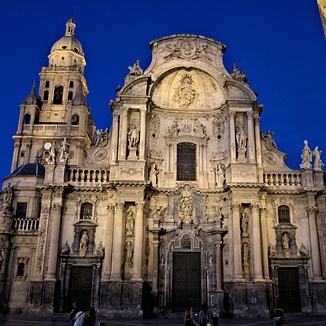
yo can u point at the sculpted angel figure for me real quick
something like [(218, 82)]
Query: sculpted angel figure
[(64, 150), (318, 162)]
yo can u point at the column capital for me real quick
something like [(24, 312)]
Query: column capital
[(140, 205)]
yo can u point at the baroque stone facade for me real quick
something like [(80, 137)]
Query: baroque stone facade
[(183, 200)]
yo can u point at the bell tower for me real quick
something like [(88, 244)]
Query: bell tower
[(59, 112)]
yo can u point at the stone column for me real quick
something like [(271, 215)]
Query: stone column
[(232, 137), (251, 138), (257, 139), (138, 248), (236, 243), (314, 246), (256, 241), (117, 243), (142, 134), (171, 157), (54, 244), (15, 157), (114, 140), (204, 149), (155, 263), (218, 266), (107, 264), (124, 128), (264, 243)]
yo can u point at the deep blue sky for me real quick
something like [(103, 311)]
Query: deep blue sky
[(279, 43)]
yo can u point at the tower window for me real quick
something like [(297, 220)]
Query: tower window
[(46, 95), (47, 84), (71, 84), (70, 96), (21, 209), (27, 119), (186, 162), (283, 214), (75, 120), (58, 92), (21, 269)]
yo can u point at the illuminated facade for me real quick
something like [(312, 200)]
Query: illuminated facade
[(183, 200)]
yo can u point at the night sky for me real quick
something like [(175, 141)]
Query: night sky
[(279, 43)]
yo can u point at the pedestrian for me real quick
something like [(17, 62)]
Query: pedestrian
[(93, 317), (73, 312), (80, 316), (204, 315), (189, 316), (5, 309), (278, 317), (215, 315)]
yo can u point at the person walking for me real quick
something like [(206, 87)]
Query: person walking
[(204, 315), (189, 316), (80, 316), (73, 313), (215, 315), (5, 309)]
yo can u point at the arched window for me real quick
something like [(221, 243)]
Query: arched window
[(70, 95), (186, 162), (46, 95), (58, 93), (86, 211), (21, 269), (71, 84), (27, 119), (75, 120), (283, 214), (47, 84)]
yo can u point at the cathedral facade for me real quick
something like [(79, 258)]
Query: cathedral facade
[(182, 200)]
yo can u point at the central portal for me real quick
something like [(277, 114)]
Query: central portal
[(186, 281)]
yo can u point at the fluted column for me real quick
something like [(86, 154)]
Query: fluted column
[(232, 138), (314, 246), (256, 240), (218, 266), (257, 139), (237, 242), (54, 245), (114, 140), (15, 157), (142, 134), (124, 128), (107, 264), (117, 243), (138, 248), (155, 263), (251, 138), (264, 243)]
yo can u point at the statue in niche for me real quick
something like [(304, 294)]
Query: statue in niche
[(241, 140), (269, 141), (220, 175), (153, 175), (318, 162), (130, 223), (64, 150), (306, 156), (102, 137), (100, 250), (285, 241), (7, 195), (244, 224), (133, 137), (66, 249), (83, 244), (129, 248), (162, 262), (246, 257), (186, 208)]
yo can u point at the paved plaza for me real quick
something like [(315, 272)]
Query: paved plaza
[(23, 320)]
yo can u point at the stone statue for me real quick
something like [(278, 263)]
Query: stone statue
[(130, 223), (102, 137), (100, 250), (129, 247), (83, 244), (285, 241), (244, 224), (133, 137), (270, 142), (318, 162), (153, 175), (306, 156), (241, 140), (64, 150), (51, 159), (66, 249), (220, 175), (7, 195)]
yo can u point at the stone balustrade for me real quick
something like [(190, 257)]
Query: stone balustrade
[(87, 176), (26, 224), (285, 179)]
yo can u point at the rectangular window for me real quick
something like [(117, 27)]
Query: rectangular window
[(21, 209)]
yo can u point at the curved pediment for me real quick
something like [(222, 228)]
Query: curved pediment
[(184, 89)]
